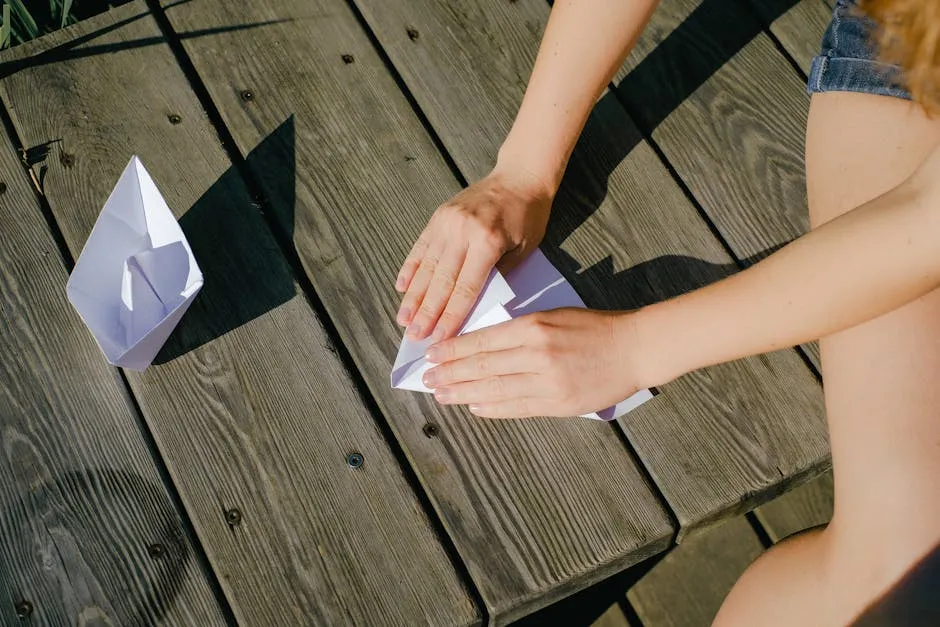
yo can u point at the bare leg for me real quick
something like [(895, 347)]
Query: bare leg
[(882, 385)]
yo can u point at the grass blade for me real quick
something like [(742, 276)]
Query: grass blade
[(66, 7), (6, 28), (25, 19)]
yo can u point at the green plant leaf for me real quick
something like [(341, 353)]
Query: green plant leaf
[(6, 28), (66, 7), (26, 21)]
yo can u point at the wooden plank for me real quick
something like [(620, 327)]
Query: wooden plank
[(717, 442), (729, 113), (802, 508), (252, 410), (537, 509), (798, 25), (688, 586), (88, 531), (613, 617)]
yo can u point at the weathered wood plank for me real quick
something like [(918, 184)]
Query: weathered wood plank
[(798, 25), (613, 617), (688, 586), (717, 442), (82, 505), (537, 509), (805, 507), (729, 113), (250, 407)]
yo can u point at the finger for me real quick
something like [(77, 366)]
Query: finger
[(476, 269), (498, 337), (514, 408), (489, 390), (419, 284), (480, 366), (439, 290), (412, 261)]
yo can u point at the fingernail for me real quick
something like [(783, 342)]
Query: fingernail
[(404, 316), (400, 284), (433, 355), (430, 378), (414, 332), (442, 395), (475, 409)]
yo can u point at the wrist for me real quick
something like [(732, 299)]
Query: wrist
[(649, 351), (529, 161)]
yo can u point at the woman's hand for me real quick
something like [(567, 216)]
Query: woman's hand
[(497, 220), (564, 362)]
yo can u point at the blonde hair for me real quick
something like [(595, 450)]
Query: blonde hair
[(908, 35)]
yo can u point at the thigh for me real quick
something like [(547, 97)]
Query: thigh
[(880, 378), (882, 387)]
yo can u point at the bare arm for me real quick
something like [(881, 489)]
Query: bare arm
[(863, 264), (584, 44), (502, 217)]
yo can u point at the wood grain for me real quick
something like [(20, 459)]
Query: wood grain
[(537, 509), (81, 499), (799, 26), (250, 407), (729, 113), (613, 617), (802, 508), (717, 442), (688, 586)]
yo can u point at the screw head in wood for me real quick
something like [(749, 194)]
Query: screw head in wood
[(174, 118), (412, 33), (430, 430), (248, 95), (348, 58), (156, 551), (24, 609), (233, 517), (354, 460)]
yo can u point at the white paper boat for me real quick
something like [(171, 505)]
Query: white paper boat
[(136, 276)]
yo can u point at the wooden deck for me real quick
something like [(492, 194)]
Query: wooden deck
[(303, 145)]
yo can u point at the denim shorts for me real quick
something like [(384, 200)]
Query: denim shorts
[(849, 61)]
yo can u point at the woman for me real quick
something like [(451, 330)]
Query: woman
[(865, 280)]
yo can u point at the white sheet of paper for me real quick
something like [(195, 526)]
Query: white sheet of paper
[(534, 285), (136, 276)]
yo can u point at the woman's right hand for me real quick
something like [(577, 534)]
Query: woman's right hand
[(496, 221)]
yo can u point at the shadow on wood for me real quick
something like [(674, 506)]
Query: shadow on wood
[(245, 273), (607, 139), (585, 607), (66, 536), (707, 39)]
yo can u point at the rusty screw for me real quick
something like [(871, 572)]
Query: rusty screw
[(248, 95), (233, 517), (354, 460), (24, 609), (430, 430), (348, 58), (156, 551), (174, 118), (412, 33)]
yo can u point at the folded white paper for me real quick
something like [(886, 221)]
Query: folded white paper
[(534, 285), (136, 276)]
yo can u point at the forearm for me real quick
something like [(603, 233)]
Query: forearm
[(584, 44), (865, 263)]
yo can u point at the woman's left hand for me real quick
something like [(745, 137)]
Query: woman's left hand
[(564, 362)]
